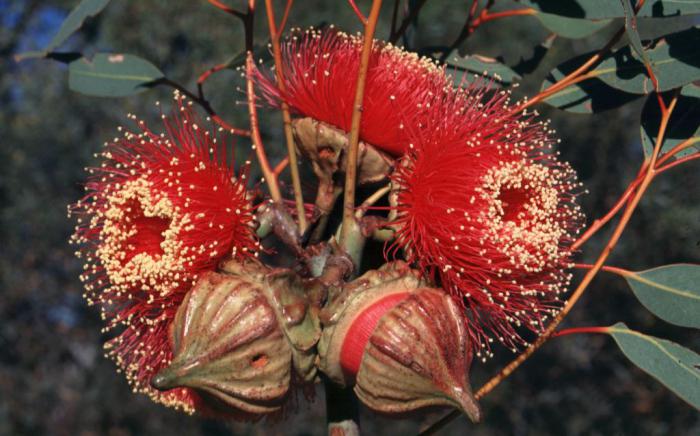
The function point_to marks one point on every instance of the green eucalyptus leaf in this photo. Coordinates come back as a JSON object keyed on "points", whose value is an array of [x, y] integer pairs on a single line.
{"points": [[75, 20], [530, 64], [676, 367], [674, 58], [587, 97], [479, 66], [112, 75], [598, 9], [683, 125], [631, 31], [570, 27], [671, 292]]}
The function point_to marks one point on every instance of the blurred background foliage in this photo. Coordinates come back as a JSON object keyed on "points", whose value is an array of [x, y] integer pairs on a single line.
{"points": [[53, 377]]}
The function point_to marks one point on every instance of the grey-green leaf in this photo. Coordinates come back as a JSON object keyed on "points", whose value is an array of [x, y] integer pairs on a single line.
{"points": [[597, 9], [570, 27], [466, 67], [529, 64], [112, 75], [631, 31], [675, 59], [671, 292], [75, 20], [587, 97], [683, 125], [676, 367]]}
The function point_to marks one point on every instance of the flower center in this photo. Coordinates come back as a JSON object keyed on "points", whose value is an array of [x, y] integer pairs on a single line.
{"points": [[142, 245], [513, 201], [146, 232], [522, 217]]}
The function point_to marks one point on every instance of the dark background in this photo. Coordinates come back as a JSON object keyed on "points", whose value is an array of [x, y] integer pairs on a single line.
{"points": [[53, 377]]}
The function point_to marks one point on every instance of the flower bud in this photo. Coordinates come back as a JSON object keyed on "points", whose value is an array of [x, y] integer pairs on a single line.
{"points": [[237, 337], [403, 345]]}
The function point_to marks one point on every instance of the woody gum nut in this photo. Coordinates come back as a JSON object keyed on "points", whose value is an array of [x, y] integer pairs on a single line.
{"points": [[418, 356], [288, 296], [403, 345], [239, 335], [361, 298], [228, 346]]}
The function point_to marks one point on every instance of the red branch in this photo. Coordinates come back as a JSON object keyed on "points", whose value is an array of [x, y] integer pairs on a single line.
{"points": [[227, 9], [357, 11]]}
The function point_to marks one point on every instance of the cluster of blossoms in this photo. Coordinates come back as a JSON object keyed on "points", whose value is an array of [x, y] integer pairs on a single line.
{"points": [[483, 206], [159, 211]]}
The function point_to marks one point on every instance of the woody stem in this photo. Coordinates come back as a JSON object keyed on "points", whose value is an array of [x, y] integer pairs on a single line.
{"points": [[349, 226], [269, 176], [288, 134]]}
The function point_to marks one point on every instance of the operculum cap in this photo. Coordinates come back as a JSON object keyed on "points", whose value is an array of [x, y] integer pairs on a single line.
{"points": [[237, 337], [402, 344]]}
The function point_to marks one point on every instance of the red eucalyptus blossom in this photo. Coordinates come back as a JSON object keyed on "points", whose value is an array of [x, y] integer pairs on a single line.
{"points": [[485, 206], [160, 210], [319, 72]]}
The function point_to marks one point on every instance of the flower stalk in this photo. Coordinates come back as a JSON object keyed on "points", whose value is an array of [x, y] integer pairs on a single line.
{"points": [[275, 32], [269, 176], [351, 170]]}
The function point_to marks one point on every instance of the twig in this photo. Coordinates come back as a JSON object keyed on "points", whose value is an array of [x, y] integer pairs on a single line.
{"points": [[227, 9], [678, 148], [660, 168], [369, 201], [473, 22], [205, 76], [467, 28], [285, 16], [270, 178], [607, 268], [599, 223], [359, 13], [578, 330], [486, 16], [287, 119], [204, 103], [412, 14], [353, 144], [281, 166], [679, 161]]}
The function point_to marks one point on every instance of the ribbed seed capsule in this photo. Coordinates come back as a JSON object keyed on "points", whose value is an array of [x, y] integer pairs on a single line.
{"points": [[238, 336], [403, 345]]}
